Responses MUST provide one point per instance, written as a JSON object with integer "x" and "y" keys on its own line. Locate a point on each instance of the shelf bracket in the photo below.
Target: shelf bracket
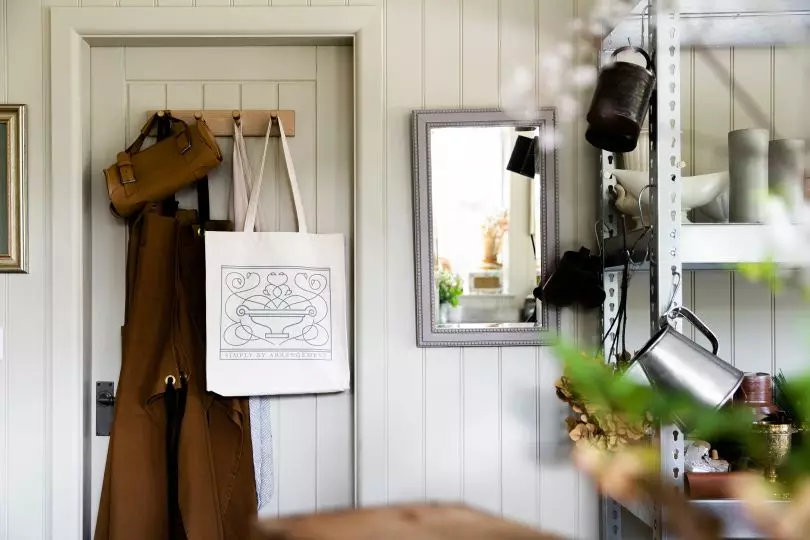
{"x": 665, "y": 200}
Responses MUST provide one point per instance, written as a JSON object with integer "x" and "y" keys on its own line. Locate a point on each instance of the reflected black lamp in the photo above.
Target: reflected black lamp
{"x": 522, "y": 161}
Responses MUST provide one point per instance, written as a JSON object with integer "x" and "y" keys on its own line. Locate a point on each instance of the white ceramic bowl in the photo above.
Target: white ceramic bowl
{"x": 697, "y": 190}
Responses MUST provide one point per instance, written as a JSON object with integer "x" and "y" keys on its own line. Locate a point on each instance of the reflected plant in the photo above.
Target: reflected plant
{"x": 451, "y": 287}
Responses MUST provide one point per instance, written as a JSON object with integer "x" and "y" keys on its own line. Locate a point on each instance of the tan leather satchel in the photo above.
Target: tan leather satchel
{"x": 140, "y": 176}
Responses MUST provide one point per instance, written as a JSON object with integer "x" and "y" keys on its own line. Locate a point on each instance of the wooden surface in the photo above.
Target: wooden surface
{"x": 254, "y": 122}
{"x": 424, "y": 522}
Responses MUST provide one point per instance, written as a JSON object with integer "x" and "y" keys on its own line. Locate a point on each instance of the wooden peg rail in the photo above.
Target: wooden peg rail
{"x": 254, "y": 122}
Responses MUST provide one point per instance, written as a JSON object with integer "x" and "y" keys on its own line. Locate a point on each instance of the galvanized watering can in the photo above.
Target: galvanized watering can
{"x": 620, "y": 103}
{"x": 673, "y": 362}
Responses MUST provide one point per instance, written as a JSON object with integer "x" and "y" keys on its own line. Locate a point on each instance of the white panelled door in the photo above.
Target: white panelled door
{"x": 312, "y": 434}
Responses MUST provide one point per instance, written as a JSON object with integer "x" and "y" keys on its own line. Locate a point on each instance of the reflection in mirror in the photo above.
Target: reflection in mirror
{"x": 485, "y": 231}
{"x": 485, "y": 223}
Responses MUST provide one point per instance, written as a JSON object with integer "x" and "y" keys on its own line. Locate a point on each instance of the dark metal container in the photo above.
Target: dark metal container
{"x": 620, "y": 103}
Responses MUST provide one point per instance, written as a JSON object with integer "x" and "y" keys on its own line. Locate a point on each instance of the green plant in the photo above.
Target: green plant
{"x": 450, "y": 287}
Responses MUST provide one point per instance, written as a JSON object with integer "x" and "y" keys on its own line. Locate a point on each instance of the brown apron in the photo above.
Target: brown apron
{"x": 180, "y": 462}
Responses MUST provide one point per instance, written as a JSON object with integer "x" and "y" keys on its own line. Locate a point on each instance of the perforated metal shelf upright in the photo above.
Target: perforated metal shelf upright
{"x": 662, "y": 21}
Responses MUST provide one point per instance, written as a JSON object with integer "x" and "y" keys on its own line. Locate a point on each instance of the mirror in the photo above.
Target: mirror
{"x": 13, "y": 246}
{"x": 485, "y": 218}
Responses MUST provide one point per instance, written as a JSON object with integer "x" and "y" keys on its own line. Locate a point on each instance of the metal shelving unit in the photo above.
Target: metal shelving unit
{"x": 669, "y": 25}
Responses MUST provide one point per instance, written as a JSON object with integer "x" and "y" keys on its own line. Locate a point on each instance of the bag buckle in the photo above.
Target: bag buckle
{"x": 185, "y": 140}
{"x": 125, "y": 168}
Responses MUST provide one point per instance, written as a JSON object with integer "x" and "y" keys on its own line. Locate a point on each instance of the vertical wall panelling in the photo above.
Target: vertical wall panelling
{"x": 520, "y": 442}
{"x": 711, "y": 122}
{"x": 481, "y": 53}
{"x": 559, "y": 482}
{"x": 752, "y": 301}
{"x": 200, "y": 3}
{"x": 687, "y": 110}
{"x": 687, "y": 145}
{"x": 481, "y": 428}
{"x": 22, "y": 300}
{"x": 443, "y": 428}
{"x": 482, "y": 481}
{"x": 442, "y": 53}
{"x": 443, "y": 395}
{"x": 150, "y": 3}
{"x": 334, "y": 173}
{"x": 142, "y": 97}
{"x": 519, "y": 436}
{"x": 638, "y": 311}
{"x": 791, "y": 114}
{"x": 108, "y": 134}
{"x": 405, "y": 382}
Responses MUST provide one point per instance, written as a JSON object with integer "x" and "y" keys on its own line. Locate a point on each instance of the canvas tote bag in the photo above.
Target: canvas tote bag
{"x": 275, "y": 305}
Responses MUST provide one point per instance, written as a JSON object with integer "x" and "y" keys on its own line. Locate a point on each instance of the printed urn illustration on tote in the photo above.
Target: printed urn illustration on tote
{"x": 276, "y": 313}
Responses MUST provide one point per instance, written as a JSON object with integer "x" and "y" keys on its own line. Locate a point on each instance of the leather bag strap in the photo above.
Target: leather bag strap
{"x": 253, "y": 204}
{"x": 183, "y": 139}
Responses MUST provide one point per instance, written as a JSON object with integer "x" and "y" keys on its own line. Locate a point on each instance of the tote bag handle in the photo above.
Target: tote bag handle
{"x": 253, "y": 203}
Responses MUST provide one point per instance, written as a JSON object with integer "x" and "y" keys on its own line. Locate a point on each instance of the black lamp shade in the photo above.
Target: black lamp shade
{"x": 522, "y": 161}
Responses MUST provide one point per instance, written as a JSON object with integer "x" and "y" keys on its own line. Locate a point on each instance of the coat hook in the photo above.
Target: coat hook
{"x": 273, "y": 115}
{"x": 161, "y": 114}
{"x": 237, "y": 117}
{"x": 198, "y": 115}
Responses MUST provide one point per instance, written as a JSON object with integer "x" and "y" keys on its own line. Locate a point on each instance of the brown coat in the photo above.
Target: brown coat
{"x": 164, "y": 335}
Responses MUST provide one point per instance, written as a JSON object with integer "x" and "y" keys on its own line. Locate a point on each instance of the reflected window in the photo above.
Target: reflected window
{"x": 484, "y": 227}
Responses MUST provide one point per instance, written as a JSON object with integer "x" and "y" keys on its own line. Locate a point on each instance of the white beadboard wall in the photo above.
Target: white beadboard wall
{"x": 480, "y": 425}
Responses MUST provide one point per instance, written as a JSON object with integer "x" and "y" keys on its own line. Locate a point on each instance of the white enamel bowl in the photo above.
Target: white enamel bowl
{"x": 697, "y": 190}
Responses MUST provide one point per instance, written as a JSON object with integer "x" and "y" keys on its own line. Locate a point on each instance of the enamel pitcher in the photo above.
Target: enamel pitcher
{"x": 620, "y": 103}
{"x": 675, "y": 363}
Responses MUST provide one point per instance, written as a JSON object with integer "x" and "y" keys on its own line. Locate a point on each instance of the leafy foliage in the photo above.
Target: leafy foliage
{"x": 450, "y": 287}
{"x": 598, "y": 383}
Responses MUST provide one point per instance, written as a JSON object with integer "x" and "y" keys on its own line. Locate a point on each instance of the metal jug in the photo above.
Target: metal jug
{"x": 620, "y": 103}
{"x": 674, "y": 362}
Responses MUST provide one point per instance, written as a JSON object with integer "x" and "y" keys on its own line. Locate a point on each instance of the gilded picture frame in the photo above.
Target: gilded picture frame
{"x": 13, "y": 190}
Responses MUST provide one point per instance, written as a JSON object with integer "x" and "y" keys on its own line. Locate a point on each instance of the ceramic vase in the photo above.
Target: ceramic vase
{"x": 748, "y": 174}
{"x": 444, "y": 312}
{"x": 454, "y": 314}
{"x": 638, "y": 159}
{"x": 449, "y": 314}
{"x": 786, "y": 170}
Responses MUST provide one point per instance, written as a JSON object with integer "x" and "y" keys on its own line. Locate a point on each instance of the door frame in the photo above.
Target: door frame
{"x": 73, "y": 32}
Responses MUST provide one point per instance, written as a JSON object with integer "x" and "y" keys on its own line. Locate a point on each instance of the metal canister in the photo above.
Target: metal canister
{"x": 620, "y": 103}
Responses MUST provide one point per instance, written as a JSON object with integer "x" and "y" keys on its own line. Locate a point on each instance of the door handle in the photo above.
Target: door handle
{"x": 105, "y": 407}
{"x": 105, "y": 399}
